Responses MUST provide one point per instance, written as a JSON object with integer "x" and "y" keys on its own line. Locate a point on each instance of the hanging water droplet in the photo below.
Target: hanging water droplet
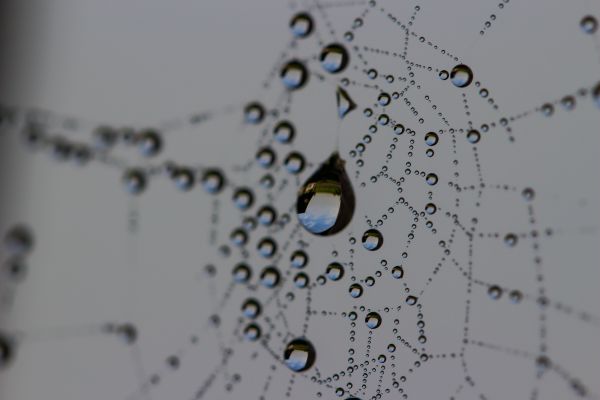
{"x": 243, "y": 198}
{"x": 293, "y": 75}
{"x": 528, "y": 194}
{"x": 301, "y": 280}
{"x": 443, "y": 75}
{"x": 238, "y": 237}
{"x": 266, "y": 247}
{"x": 345, "y": 104}
{"x": 373, "y": 320}
{"x": 299, "y": 355}
{"x": 589, "y": 24}
{"x": 473, "y": 136}
{"x": 355, "y": 290}
{"x": 372, "y": 240}
{"x": 430, "y": 208}
{"x": 149, "y": 143}
{"x": 299, "y": 259}
{"x": 398, "y": 272}
{"x": 431, "y": 138}
{"x": 335, "y": 271}
{"x": 384, "y": 99}
{"x": 510, "y": 240}
{"x": 134, "y": 180}
{"x": 269, "y": 277}
{"x": 254, "y": 113}
{"x": 252, "y": 332}
{"x": 284, "y": 132}
{"x": 251, "y": 308}
{"x": 568, "y": 103}
{"x": 325, "y": 203}
{"x": 334, "y": 58}
{"x": 294, "y": 162}
{"x": 547, "y": 109}
{"x": 265, "y": 157}
{"x": 461, "y": 76}
{"x": 242, "y": 273}
{"x": 301, "y": 25}
{"x": 411, "y": 300}
{"x": 212, "y": 181}
{"x": 515, "y": 296}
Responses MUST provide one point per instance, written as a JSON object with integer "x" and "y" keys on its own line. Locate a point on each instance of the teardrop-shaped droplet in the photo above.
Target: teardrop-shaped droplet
{"x": 299, "y": 355}
{"x": 325, "y": 202}
{"x": 345, "y": 104}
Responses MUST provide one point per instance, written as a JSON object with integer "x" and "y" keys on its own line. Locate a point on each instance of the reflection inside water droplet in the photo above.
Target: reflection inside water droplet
{"x": 301, "y": 25}
{"x": 372, "y": 239}
{"x": 325, "y": 203}
{"x": 461, "y": 76}
{"x": 345, "y": 104}
{"x": 293, "y": 75}
{"x": 373, "y": 320}
{"x": 299, "y": 355}
{"x": 334, "y": 58}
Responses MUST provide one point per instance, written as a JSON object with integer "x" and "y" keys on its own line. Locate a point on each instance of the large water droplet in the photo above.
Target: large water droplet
{"x": 325, "y": 202}
{"x": 301, "y": 25}
{"x": 334, "y": 58}
{"x": 345, "y": 104}
{"x": 293, "y": 75}
{"x": 335, "y": 271}
{"x": 299, "y": 355}
{"x": 461, "y": 76}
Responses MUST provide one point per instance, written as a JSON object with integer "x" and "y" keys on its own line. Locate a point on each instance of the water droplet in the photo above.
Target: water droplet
{"x": 7, "y": 350}
{"x": 589, "y": 24}
{"x": 355, "y": 290}
{"x": 18, "y": 240}
{"x": 391, "y": 347}
{"x": 284, "y": 132}
{"x": 269, "y": 277}
{"x": 294, "y": 162}
{"x": 301, "y": 280}
{"x": 510, "y": 240}
{"x": 373, "y": 320}
{"x": 252, "y": 332}
{"x": 212, "y": 181}
{"x": 325, "y": 203}
{"x": 381, "y": 358}
{"x": 473, "y": 136}
{"x": 251, "y": 308}
{"x": 596, "y": 94}
{"x": 495, "y": 292}
{"x": 443, "y": 75}
{"x": 411, "y": 300}
{"x": 372, "y": 240}
{"x": 334, "y": 58}
{"x": 267, "y": 181}
{"x": 430, "y": 208}
{"x": 265, "y": 157}
{"x": 515, "y": 296}
{"x": 345, "y": 104}
{"x": 384, "y": 99}
{"x": 242, "y": 273}
{"x": 149, "y": 143}
{"x": 243, "y": 198}
{"x": 568, "y": 103}
{"x": 547, "y": 109}
{"x": 528, "y": 194}
{"x": 431, "y": 138}
{"x": 105, "y": 137}
{"x": 461, "y": 76}
{"x": 183, "y": 178}
{"x": 398, "y": 272}
{"x": 335, "y": 271}
{"x": 299, "y": 355}
{"x": 254, "y": 113}
{"x": 294, "y": 75}
{"x": 134, "y": 180}
{"x": 127, "y": 332}
{"x": 299, "y": 259}
{"x": 266, "y": 215}
{"x": 301, "y": 25}
{"x": 431, "y": 179}
{"x": 266, "y": 247}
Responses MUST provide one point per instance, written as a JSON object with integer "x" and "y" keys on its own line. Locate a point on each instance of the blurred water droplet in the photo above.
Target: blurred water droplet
{"x": 589, "y": 24}
{"x": 301, "y": 25}
{"x": 251, "y": 308}
{"x": 134, "y": 180}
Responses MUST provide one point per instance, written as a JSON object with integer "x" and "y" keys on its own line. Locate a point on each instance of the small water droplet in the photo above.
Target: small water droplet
{"x": 510, "y": 240}
{"x": 266, "y": 215}
{"x": 238, "y": 237}
{"x": 411, "y": 300}
{"x": 251, "y": 308}
{"x": 134, "y": 180}
{"x": 301, "y": 25}
{"x": 373, "y": 320}
{"x": 473, "y": 136}
{"x": 212, "y": 181}
{"x": 495, "y": 292}
{"x": 267, "y": 247}
{"x": 19, "y": 240}
{"x": 335, "y": 271}
{"x": 301, "y": 280}
{"x": 325, "y": 203}
{"x": 254, "y": 113}
{"x": 355, "y": 290}
{"x": 430, "y": 208}
{"x": 461, "y": 76}
{"x": 242, "y": 273}
{"x": 299, "y": 259}
{"x": 589, "y": 24}
{"x": 334, "y": 58}
{"x": 184, "y": 178}
{"x": 252, "y": 332}
{"x": 547, "y": 109}
{"x": 431, "y": 179}
{"x": 398, "y": 272}
{"x": 149, "y": 143}
{"x": 269, "y": 277}
{"x": 243, "y": 198}
{"x": 284, "y": 132}
{"x": 299, "y": 355}
{"x": 528, "y": 194}
{"x": 294, "y": 75}
{"x": 443, "y": 75}
{"x": 431, "y": 138}
{"x": 372, "y": 240}
{"x": 265, "y": 157}
{"x": 127, "y": 332}
{"x": 294, "y": 162}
